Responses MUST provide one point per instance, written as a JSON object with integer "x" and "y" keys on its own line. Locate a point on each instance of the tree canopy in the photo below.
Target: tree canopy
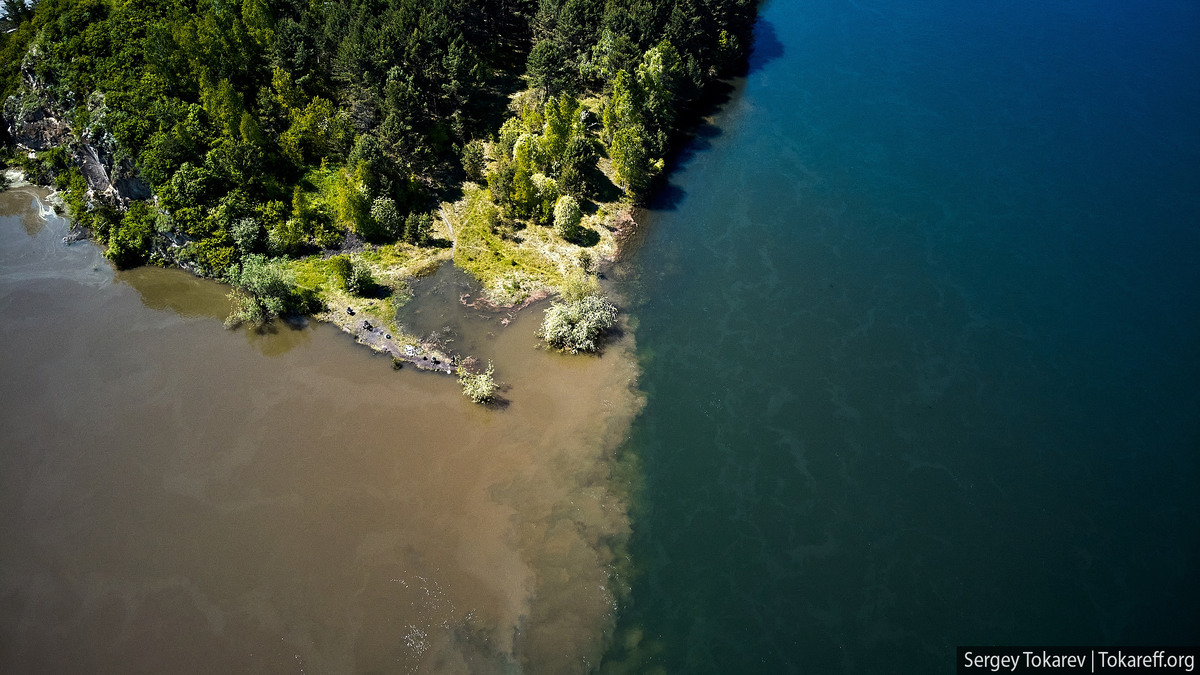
{"x": 271, "y": 127}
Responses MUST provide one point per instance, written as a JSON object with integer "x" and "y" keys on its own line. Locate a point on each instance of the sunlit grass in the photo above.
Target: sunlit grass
{"x": 515, "y": 260}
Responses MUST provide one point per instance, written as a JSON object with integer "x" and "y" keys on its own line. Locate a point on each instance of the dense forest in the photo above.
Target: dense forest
{"x": 268, "y": 128}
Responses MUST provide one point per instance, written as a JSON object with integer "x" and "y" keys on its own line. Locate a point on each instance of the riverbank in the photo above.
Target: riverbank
{"x": 398, "y": 269}
{"x": 515, "y": 268}
{"x": 283, "y": 499}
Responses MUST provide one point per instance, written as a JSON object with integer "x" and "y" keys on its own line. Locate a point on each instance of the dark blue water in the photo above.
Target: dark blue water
{"x": 919, "y": 317}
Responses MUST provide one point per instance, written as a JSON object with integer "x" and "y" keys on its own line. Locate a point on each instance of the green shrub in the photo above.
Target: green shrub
{"x": 571, "y": 182}
{"x": 479, "y": 387}
{"x": 578, "y": 285}
{"x": 215, "y": 258}
{"x": 387, "y": 217}
{"x": 247, "y": 233}
{"x": 129, "y": 240}
{"x": 566, "y": 217}
{"x": 326, "y": 234}
{"x": 46, "y": 167}
{"x": 262, "y": 291}
{"x": 287, "y": 236}
{"x": 500, "y": 182}
{"x": 417, "y": 228}
{"x": 74, "y": 188}
{"x": 360, "y": 282}
{"x": 352, "y": 276}
{"x": 586, "y": 261}
{"x": 546, "y": 189}
{"x": 545, "y": 67}
{"x": 472, "y": 161}
{"x": 351, "y": 201}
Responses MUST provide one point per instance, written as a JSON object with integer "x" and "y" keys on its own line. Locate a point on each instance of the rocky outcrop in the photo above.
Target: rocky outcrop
{"x": 168, "y": 247}
{"x": 32, "y": 125}
{"x": 109, "y": 181}
{"x": 35, "y": 124}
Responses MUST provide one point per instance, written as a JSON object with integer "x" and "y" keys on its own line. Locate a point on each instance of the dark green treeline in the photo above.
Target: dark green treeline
{"x": 278, "y": 126}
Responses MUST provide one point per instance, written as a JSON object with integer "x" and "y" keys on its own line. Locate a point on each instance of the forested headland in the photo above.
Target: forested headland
{"x": 309, "y": 152}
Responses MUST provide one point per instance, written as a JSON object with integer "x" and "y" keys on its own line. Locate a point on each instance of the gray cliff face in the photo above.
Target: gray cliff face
{"x": 114, "y": 182}
{"x": 36, "y": 128}
{"x": 35, "y": 124}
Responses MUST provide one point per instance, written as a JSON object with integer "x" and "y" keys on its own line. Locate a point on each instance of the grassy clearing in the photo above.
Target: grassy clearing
{"x": 515, "y": 259}
{"x": 512, "y": 259}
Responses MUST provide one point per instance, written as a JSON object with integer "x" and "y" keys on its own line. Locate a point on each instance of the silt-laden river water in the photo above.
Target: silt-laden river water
{"x": 178, "y": 497}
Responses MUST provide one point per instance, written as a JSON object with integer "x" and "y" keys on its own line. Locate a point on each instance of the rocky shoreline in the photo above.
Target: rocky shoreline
{"x": 425, "y": 356}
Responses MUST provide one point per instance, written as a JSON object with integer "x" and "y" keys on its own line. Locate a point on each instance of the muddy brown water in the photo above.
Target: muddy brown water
{"x": 177, "y": 497}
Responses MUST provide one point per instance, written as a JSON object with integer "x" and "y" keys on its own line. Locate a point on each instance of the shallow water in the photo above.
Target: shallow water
{"x": 920, "y": 327}
{"x": 176, "y": 497}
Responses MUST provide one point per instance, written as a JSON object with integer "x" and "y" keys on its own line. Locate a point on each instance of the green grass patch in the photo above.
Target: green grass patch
{"x": 513, "y": 261}
{"x": 509, "y": 270}
{"x": 312, "y": 273}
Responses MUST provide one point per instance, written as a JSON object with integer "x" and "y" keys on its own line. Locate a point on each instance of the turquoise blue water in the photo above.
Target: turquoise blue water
{"x": 919, "y": 317}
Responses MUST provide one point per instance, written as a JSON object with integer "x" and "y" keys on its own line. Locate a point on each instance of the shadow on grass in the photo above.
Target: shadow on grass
{"x": 601, "y": 188}
{"x": 587, "y": 238}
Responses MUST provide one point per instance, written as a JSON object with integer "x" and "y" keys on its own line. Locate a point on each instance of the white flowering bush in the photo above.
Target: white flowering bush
{"x": 576, "y": 323}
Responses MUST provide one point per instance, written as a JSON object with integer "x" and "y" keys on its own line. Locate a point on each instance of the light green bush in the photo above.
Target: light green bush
{"x": 353, "y": 276}
{"x": 261, "y": 291}
{"x": 479, "y": 387}
{"x": 246, "y": 232}
{"x": 387, "y": 217}
{"x": 566, "y": 217}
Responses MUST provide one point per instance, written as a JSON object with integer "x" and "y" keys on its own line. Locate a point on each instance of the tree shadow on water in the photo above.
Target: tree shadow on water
{"x": 666, "y": 197}
{"x": 498, "y": 402}
{"x": 699, "y": 139}
{"x": 693, "y": 136}
{"x": 696, "y": 131}
{"x": 767, "y": 46}
{"x": 279, "y": 337}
